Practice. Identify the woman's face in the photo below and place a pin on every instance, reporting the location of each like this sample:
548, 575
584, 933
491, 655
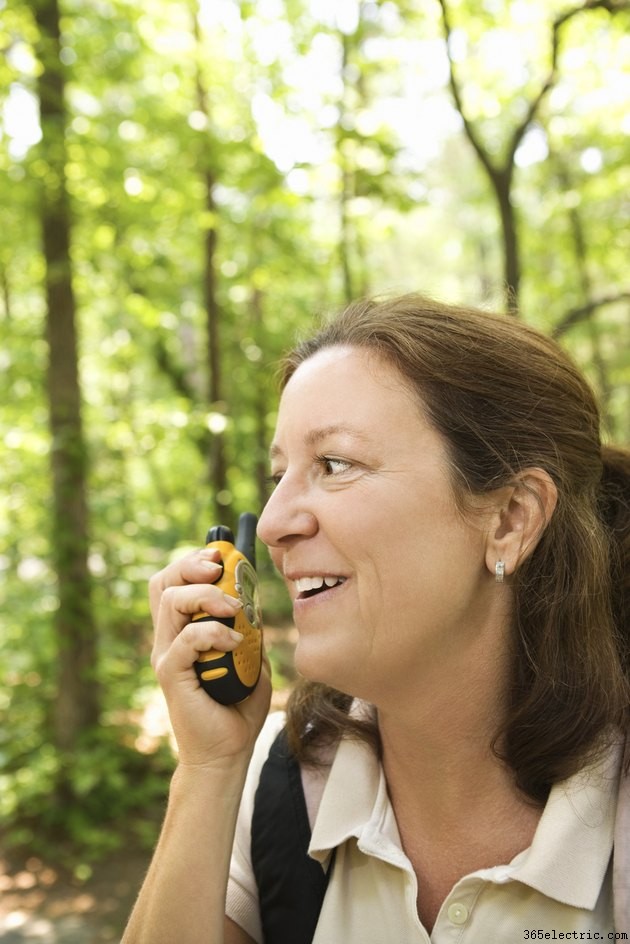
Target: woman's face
385, 574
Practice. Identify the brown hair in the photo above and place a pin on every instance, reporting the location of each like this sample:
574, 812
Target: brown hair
506, 398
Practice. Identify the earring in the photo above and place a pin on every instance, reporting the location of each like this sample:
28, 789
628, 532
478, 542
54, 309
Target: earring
499, 571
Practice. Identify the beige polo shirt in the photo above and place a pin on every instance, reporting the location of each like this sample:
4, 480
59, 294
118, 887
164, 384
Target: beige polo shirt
560, 884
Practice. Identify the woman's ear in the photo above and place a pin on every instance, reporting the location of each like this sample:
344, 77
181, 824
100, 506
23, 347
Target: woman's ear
522, 513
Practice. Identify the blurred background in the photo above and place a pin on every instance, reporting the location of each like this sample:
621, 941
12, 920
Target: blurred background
185, 189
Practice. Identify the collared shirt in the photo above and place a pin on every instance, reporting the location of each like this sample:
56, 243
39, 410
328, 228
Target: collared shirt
560, 884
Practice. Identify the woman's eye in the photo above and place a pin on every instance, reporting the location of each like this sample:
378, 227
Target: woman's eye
334, 466
274, 479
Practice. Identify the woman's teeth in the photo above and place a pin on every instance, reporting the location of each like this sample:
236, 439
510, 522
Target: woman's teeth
308, 584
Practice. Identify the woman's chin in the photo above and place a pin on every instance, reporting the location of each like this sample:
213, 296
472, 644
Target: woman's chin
313, 663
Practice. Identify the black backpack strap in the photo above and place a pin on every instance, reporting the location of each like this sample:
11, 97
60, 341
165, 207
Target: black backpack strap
291, 885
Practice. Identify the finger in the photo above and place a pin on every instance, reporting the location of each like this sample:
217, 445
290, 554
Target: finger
201, 636
197, 598
203, 566
178, 604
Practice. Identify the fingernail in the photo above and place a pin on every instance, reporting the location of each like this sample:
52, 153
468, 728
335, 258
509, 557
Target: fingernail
236, 636
232, 601
210, 565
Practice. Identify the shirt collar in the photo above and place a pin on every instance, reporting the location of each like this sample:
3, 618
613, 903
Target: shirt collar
349, 798
573, 843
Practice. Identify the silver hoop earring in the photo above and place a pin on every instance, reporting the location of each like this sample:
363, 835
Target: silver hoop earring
499, 571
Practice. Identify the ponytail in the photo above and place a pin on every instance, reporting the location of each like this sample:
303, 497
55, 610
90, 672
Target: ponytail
615, 511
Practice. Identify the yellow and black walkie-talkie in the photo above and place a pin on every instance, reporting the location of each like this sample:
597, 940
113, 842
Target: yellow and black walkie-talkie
229, 677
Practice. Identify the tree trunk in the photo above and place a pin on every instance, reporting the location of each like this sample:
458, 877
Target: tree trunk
216, 453
502, 183
580, 248
260, 405
77, 706
345, 183
217, 467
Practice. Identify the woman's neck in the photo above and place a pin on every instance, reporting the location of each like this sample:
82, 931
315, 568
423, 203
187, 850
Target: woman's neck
456, 803
438, 741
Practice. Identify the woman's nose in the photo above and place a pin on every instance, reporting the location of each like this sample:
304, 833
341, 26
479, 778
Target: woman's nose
286, 516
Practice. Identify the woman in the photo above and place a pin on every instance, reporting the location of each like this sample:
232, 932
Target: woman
455, 542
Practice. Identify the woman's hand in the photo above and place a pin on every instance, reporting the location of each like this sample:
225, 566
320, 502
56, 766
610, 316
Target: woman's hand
183, 894
208, 734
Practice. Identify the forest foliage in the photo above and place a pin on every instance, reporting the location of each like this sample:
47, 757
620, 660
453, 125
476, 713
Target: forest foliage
187, 187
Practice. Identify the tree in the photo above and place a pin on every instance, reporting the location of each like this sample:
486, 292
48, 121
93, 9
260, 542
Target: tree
216, 452
500, 169
77, 704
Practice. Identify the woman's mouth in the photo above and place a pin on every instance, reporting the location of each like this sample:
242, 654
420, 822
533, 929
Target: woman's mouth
307, 587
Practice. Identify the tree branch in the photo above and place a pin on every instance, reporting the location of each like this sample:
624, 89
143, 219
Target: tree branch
612, 6
576, 315
560, 21
469, 128
175, 373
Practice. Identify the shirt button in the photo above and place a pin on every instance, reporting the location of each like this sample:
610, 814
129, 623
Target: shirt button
457, 913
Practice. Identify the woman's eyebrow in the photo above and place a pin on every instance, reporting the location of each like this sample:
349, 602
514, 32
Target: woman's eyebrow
314, 436
334, 429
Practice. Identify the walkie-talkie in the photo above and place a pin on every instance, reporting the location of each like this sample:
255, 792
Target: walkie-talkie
229, 677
